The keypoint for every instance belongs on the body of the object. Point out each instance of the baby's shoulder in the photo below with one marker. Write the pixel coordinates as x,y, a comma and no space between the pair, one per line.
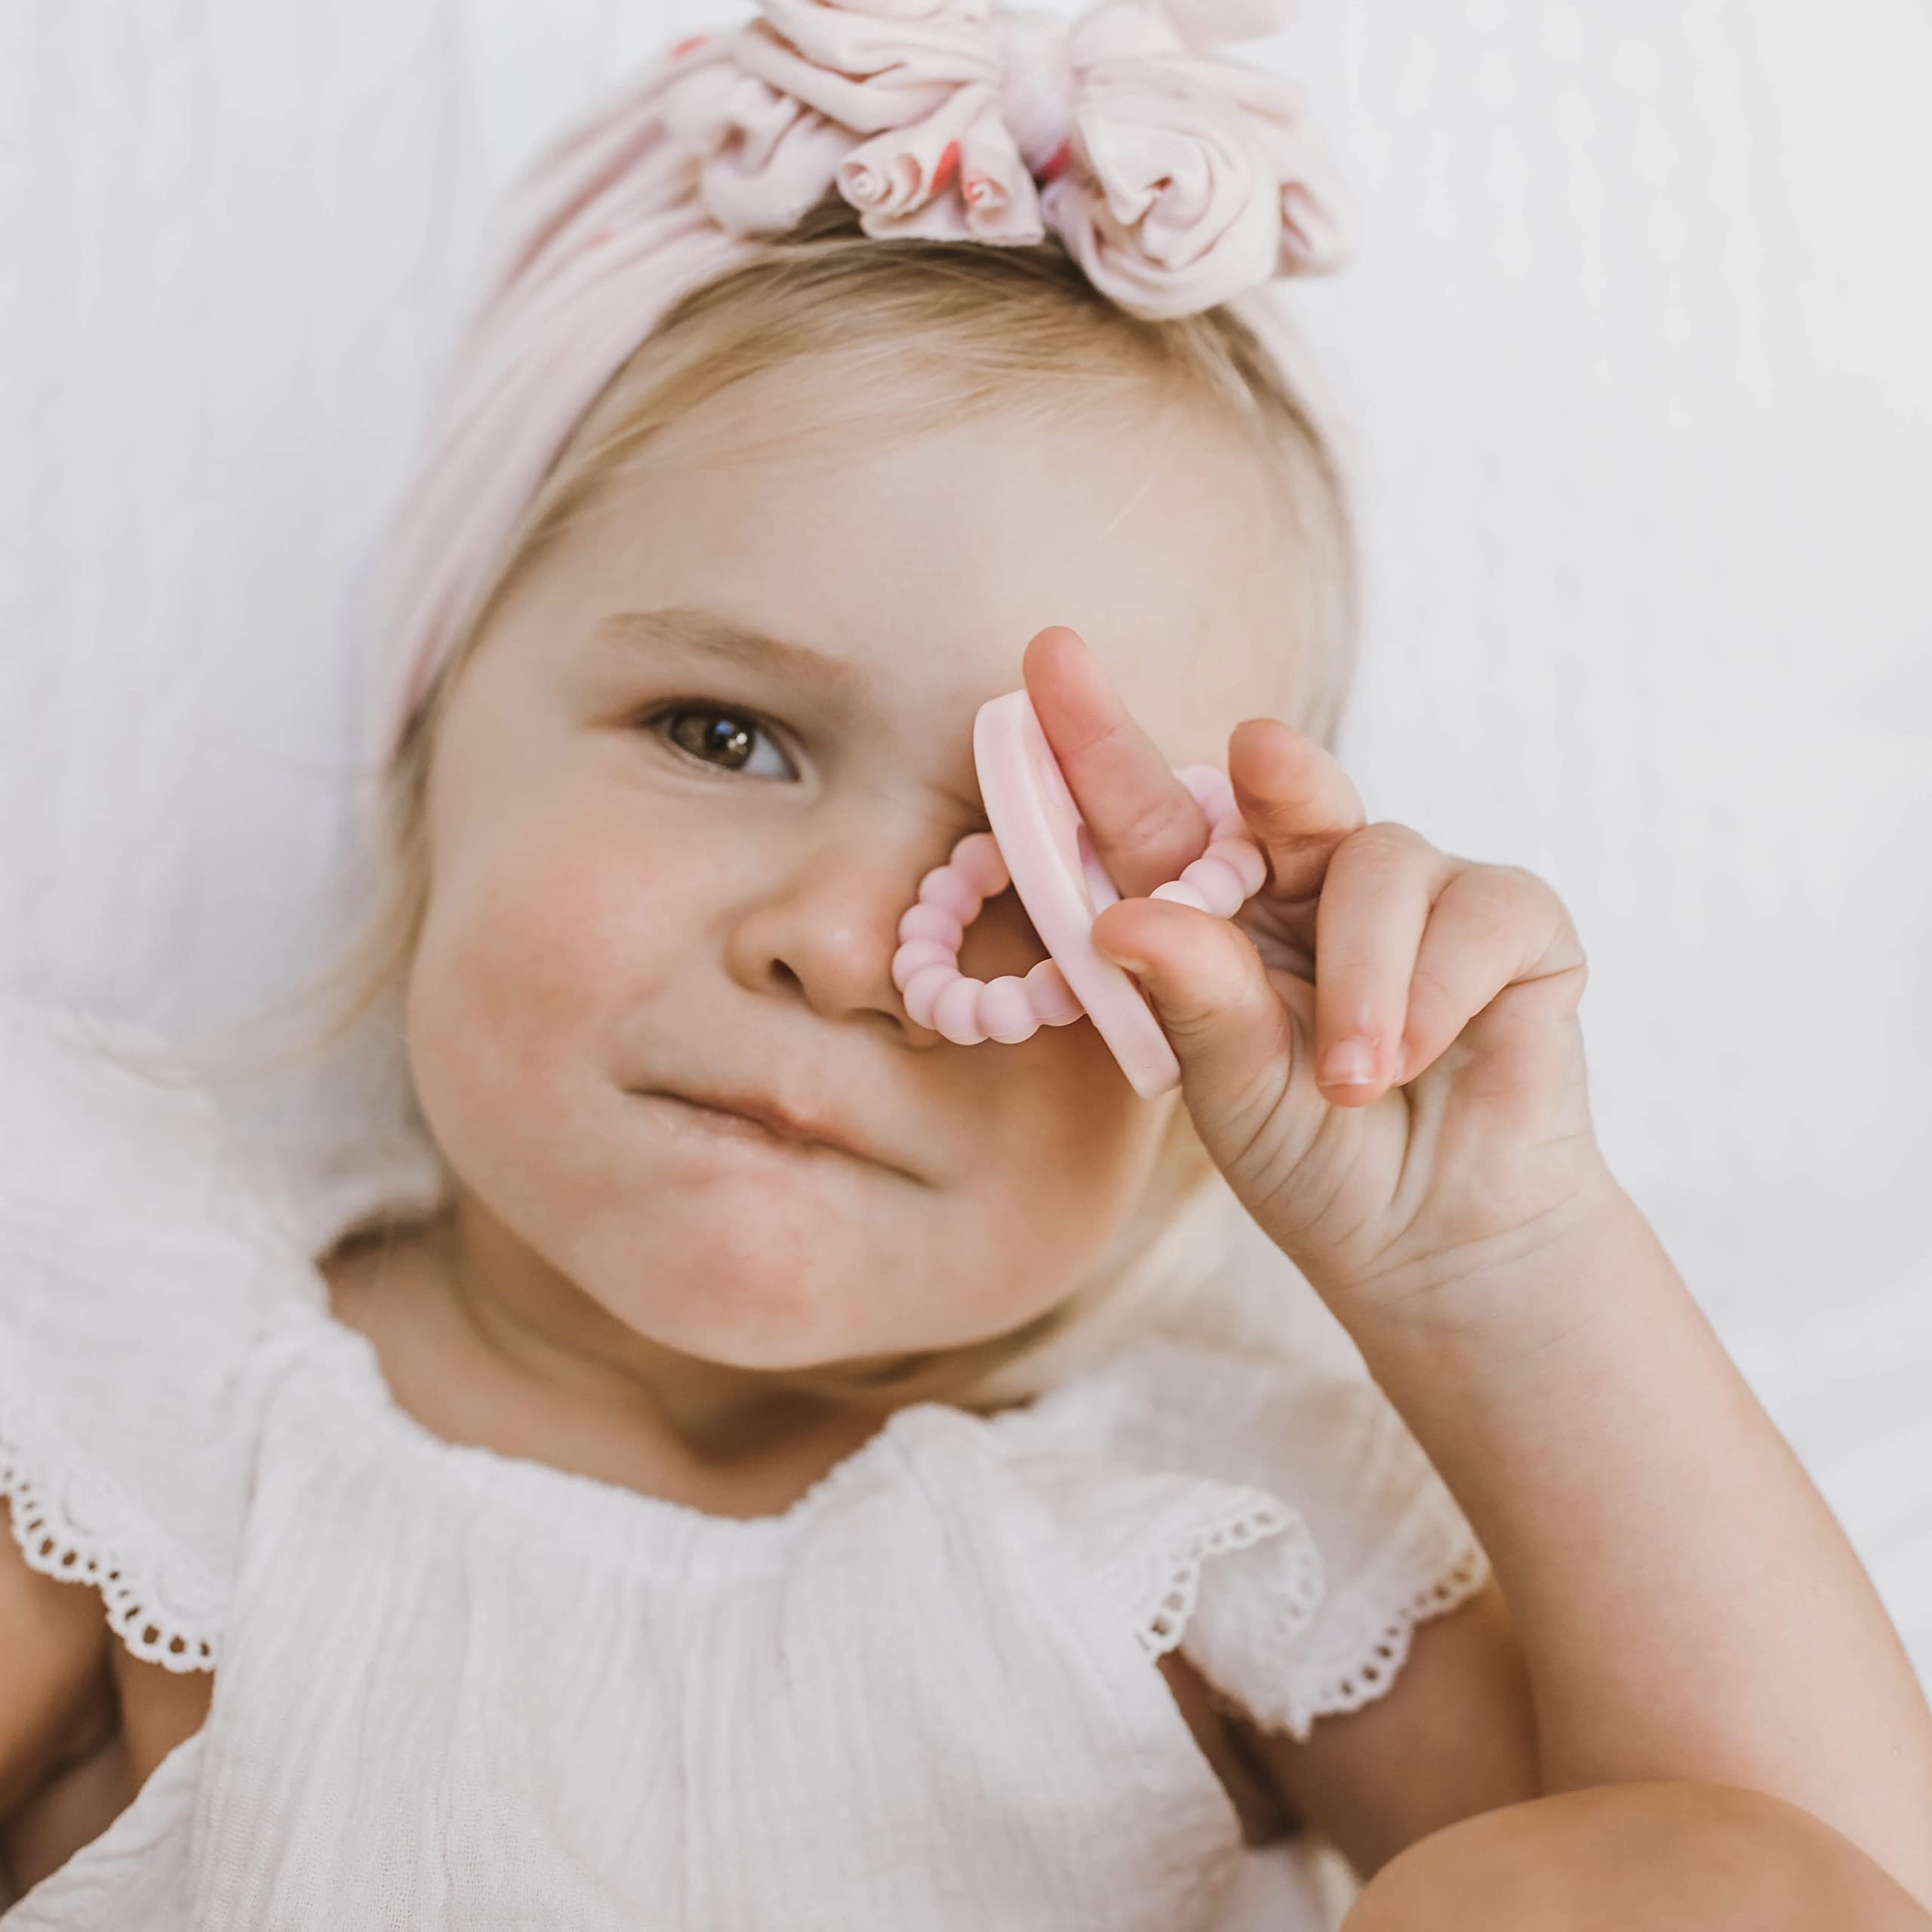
144,1278
1279,1526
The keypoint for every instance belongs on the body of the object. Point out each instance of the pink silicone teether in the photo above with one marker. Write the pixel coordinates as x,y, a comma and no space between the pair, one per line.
1039,841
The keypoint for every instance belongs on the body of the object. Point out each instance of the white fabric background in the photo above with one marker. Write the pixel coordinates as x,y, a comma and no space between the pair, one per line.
1635,351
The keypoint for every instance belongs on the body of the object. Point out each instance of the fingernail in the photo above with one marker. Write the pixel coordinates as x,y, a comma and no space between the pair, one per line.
1349,1063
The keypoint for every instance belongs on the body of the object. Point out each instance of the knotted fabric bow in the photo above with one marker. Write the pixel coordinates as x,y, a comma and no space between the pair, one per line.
1177,180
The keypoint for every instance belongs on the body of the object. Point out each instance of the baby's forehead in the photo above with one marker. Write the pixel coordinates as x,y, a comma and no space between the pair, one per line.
926,561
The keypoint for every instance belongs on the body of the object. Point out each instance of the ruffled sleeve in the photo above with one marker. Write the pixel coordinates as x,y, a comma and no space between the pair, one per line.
140,1273
1284,1531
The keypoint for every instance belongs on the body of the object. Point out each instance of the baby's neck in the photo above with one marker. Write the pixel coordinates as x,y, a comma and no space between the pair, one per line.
472,1369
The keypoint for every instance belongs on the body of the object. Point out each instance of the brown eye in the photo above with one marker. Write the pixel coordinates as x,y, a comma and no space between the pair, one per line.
714,734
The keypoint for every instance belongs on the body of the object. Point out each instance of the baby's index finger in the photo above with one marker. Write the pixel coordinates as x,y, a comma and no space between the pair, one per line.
1297,802
1145,824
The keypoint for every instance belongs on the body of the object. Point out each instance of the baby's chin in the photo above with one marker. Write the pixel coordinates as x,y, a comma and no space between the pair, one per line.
782,1268
769,1328
853,1325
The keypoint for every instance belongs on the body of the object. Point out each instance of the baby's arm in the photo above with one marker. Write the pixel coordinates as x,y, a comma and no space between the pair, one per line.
54,1640
1688,1606
1381,1051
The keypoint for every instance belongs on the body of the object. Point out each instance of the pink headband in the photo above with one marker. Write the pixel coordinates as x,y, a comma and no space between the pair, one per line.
1177,181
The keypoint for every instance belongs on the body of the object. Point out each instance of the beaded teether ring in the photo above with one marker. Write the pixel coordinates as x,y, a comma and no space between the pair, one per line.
1039,842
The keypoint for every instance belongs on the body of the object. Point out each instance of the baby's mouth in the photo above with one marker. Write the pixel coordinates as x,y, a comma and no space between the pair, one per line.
718,1121
745,1127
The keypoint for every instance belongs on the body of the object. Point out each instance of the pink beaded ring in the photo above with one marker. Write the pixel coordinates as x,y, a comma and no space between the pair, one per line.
1039,843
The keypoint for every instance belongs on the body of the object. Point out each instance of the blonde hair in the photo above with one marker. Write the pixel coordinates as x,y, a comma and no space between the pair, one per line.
951,329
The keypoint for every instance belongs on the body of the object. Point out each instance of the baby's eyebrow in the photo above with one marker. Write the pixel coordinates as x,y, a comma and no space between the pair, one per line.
712,634
693,627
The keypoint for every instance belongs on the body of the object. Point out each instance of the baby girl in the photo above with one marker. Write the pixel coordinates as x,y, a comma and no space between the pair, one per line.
776,1464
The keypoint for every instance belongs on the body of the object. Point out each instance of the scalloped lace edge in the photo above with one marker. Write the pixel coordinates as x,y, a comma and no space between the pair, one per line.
1362,1683
1343,1690
1161,1626
53,1544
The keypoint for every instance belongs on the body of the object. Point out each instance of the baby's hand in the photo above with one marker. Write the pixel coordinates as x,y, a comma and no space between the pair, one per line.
1463,1146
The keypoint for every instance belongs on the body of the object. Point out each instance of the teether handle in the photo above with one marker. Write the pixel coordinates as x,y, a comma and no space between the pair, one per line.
1010,1009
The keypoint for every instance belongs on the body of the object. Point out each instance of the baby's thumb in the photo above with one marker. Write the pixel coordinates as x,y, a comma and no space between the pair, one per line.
1233,1034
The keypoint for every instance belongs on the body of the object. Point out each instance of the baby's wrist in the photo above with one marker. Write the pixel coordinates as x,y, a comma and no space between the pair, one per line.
1475,1310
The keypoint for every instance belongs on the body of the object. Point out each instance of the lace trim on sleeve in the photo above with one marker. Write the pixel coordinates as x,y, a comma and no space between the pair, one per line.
1347,1647
143,1271
1350,1684
1164,1597
1332,1535
81,1529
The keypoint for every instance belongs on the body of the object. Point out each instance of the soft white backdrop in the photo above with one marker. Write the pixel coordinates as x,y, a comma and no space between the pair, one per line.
1635,355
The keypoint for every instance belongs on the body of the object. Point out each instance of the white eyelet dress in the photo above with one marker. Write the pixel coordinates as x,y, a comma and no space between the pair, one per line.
455,1688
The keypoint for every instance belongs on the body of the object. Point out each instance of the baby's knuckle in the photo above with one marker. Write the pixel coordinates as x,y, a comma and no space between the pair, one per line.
1501,898
1534,892
1391,839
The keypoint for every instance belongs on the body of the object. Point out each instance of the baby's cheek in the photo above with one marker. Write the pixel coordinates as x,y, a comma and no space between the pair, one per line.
1068,1166
1001,940
560,932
